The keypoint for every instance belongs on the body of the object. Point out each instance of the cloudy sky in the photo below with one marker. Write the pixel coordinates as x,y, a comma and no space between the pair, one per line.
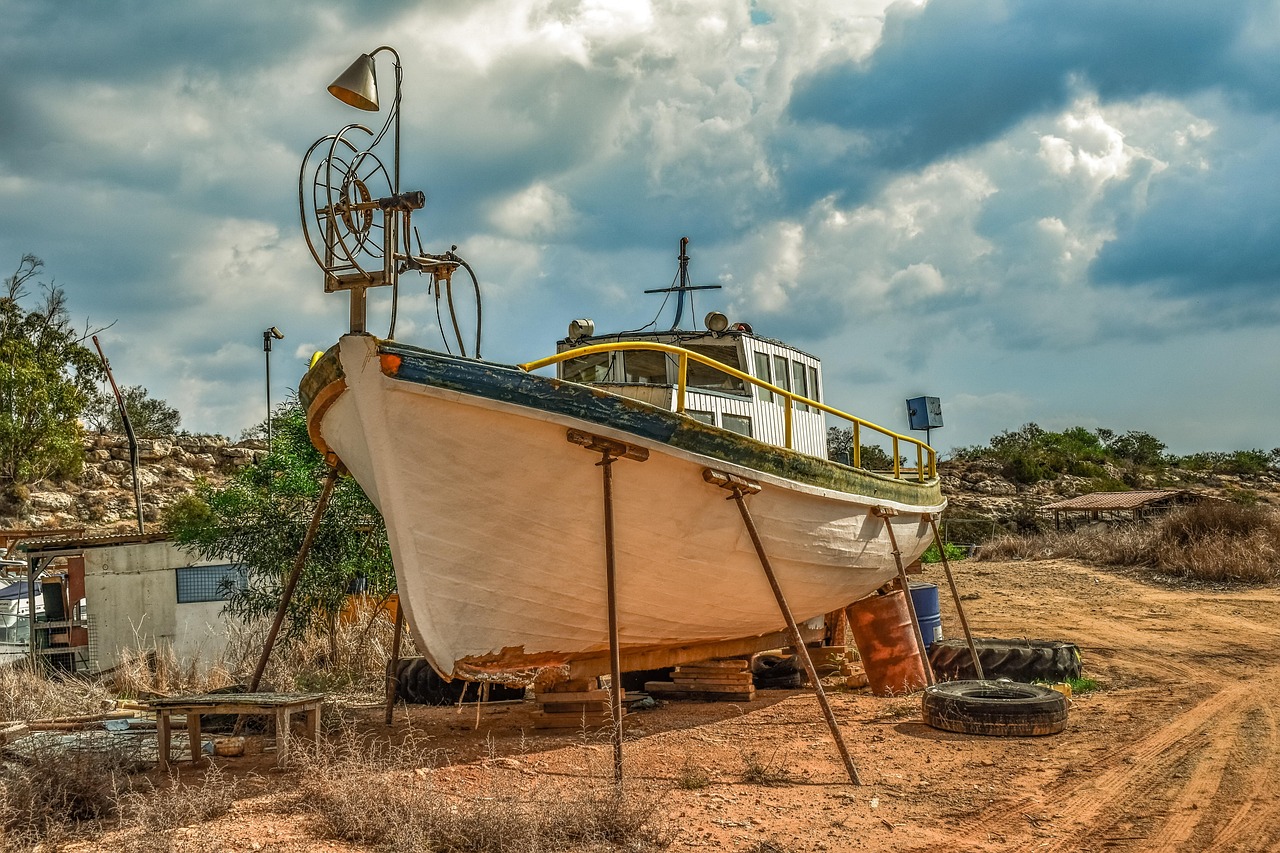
1066,213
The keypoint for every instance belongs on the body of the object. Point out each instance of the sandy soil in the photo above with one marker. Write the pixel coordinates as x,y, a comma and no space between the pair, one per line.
1177,751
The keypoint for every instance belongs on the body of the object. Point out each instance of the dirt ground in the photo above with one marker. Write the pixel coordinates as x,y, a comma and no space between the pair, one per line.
1177,750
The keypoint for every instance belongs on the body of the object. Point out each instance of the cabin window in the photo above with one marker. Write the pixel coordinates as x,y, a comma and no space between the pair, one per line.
708,418
762,372
209,583
780,376
814,392
586,368
646,367
798,383
741,424
703,376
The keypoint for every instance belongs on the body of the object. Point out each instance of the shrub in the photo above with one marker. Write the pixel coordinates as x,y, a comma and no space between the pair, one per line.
51,791
354,798
1213,542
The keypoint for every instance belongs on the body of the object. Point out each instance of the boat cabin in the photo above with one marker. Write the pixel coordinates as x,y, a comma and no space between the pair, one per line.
712,396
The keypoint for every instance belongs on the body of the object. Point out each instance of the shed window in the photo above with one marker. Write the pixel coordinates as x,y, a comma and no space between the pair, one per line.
209,583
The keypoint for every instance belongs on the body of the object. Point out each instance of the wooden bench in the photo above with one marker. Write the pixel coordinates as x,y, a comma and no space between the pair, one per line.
281,706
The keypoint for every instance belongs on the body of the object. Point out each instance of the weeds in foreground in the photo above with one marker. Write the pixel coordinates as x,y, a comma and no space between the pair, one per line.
1212,542
1082,685
692,778
27,694
770,772
354,796
50,793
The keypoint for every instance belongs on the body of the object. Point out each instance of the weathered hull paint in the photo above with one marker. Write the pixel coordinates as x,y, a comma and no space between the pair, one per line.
496,519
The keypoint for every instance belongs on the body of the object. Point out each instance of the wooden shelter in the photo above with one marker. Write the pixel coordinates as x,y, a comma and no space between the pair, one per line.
1126,506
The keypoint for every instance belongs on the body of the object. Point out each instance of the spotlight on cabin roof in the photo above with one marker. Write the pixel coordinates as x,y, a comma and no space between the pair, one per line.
716,322
583,328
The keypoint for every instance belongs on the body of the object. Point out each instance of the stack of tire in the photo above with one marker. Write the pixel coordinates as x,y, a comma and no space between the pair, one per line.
417,683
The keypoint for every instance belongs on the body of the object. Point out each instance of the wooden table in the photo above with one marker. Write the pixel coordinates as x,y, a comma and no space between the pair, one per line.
282,706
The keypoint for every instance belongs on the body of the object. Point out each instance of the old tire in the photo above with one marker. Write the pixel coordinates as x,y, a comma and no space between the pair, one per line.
1000,708
778,672
1018,660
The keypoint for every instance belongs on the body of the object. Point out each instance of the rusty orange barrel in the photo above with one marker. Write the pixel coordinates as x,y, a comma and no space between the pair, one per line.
886,641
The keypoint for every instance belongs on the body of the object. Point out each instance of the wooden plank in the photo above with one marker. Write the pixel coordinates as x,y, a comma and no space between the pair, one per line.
713,683
733,665
578,708
675,691
575,696
570,721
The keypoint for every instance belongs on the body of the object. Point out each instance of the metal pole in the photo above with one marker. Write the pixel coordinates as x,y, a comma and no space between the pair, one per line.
393,671
301,560
884,513
739,487
33,569
615,654
266,349
955,594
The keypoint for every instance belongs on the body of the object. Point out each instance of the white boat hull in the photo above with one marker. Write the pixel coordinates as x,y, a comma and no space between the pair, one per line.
496,527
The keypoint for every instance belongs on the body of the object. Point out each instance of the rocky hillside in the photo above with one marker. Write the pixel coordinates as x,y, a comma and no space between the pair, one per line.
102,500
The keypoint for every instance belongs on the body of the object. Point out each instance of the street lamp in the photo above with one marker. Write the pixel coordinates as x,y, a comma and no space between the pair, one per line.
267,336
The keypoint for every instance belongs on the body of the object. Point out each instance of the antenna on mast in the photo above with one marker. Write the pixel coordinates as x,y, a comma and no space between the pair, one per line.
683,287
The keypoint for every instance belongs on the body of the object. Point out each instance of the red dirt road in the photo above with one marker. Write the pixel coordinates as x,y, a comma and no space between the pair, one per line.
1179,750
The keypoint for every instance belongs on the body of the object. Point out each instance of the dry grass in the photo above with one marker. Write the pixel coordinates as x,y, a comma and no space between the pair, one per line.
354,795
771,771
50,794
27,694
1212,542
360,649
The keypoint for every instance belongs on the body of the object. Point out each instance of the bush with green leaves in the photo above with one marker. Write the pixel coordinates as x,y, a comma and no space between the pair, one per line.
260,517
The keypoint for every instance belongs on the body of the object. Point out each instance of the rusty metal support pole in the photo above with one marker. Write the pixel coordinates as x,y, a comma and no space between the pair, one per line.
393,668
797,642
291,582
615,654
885,514
955,594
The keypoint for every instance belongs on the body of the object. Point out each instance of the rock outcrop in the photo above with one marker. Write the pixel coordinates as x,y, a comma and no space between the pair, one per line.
102,499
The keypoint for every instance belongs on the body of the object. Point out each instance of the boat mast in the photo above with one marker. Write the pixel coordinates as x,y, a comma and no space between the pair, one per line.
683,286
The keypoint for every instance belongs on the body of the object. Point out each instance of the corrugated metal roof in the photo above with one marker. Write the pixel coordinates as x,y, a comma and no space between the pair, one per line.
1117,500
75,543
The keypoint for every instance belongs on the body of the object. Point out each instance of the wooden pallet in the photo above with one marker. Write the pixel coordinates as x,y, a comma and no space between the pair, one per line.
577,704
707,681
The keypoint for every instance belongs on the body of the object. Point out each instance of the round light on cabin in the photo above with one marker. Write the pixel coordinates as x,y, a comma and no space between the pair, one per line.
716,322
583,328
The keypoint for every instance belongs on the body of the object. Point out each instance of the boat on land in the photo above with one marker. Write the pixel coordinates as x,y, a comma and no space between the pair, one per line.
487,477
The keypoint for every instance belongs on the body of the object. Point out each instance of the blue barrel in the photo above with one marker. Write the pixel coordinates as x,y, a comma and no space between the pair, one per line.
924,597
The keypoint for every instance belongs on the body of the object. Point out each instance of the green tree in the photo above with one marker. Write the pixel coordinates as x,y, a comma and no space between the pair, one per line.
260,518
47,376
871,456
150,417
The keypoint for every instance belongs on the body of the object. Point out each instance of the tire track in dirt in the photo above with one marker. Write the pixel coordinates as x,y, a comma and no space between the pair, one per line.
1109,788
1253,816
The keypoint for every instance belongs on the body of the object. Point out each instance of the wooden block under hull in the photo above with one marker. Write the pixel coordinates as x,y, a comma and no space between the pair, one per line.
671,690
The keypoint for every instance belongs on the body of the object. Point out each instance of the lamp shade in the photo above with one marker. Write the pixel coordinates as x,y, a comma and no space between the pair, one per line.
358,85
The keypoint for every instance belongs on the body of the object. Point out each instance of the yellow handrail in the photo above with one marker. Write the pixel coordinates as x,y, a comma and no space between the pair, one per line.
790,398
